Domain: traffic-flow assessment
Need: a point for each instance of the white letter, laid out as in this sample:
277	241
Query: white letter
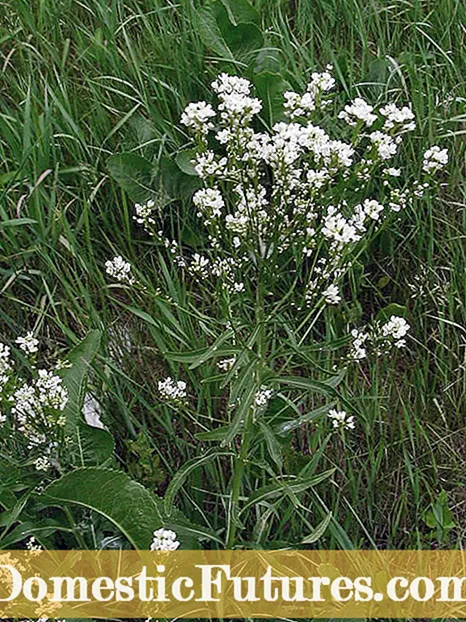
340	584
208	581
41	588
103	583
363	587
17	583
429	589
176	589
71	585
391	589
125	592
270	593
457	589
317	583
251	589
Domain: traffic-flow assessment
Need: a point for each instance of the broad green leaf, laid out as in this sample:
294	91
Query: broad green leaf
243	40
96	446
393	309
184	160
270	88
241	12
75	377
209	31
134	510
134	174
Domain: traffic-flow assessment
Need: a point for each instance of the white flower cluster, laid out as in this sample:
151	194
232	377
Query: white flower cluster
35	406
226	364
196	117
164	540
396	330
262	397
380	338
298	201
341	419
172	390
119	269
6	365
28	343
297	105
358	111
33	545
144	214
435	159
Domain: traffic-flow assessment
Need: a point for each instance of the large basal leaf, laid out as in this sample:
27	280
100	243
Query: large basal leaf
75	377
241	12
270	88
243	40
95	445
392	309
209	31
134	174
228	28
134	510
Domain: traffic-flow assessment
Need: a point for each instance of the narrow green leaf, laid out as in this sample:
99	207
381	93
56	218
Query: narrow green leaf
318	531
181	475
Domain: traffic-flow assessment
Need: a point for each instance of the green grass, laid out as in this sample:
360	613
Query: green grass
81	81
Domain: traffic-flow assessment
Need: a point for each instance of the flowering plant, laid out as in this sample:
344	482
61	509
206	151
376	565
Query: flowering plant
33	407
285	214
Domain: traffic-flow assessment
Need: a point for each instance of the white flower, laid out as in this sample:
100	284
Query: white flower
33	545
5	362
435	159
144	213
51	393
386	145
28	343
42	464
227	85
119	269
199	265
332	295
164	540
226	364
210	203
396	328
403	117
340	419
358	110
358	349
372	208
208	165
338	229
262	397
172	390
196	117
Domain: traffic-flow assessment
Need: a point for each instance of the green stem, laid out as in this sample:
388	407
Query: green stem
241	460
